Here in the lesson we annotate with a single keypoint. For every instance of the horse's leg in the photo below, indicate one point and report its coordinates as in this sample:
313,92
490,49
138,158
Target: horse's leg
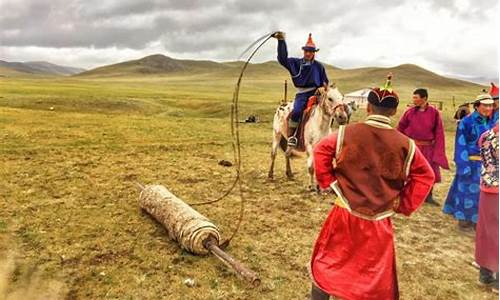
310,168
289,173
274,151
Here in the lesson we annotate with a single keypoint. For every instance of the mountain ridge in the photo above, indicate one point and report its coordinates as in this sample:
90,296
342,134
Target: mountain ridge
159,64
39,68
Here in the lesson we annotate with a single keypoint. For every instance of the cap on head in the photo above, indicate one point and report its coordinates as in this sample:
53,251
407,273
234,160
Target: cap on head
310,46
384,96
483,99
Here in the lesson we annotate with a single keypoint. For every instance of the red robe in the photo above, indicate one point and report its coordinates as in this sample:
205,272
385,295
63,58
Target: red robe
354,258
426,128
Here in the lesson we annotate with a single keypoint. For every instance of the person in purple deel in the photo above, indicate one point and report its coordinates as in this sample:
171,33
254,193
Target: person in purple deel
307,73
423,123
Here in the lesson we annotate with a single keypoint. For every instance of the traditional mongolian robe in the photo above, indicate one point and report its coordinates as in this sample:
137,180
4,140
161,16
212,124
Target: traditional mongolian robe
354,256
426,129
463,196
307,76
487,226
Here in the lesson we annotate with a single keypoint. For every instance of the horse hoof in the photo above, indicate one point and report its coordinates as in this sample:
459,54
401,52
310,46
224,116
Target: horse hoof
270,177
289,175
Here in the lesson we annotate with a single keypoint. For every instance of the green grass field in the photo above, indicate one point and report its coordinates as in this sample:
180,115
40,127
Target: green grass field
69,214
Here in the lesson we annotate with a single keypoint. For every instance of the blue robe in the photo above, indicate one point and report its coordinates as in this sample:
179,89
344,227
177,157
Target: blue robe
463,196
305,74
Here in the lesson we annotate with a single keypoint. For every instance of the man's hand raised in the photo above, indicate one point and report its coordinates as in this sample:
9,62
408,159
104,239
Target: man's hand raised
279,35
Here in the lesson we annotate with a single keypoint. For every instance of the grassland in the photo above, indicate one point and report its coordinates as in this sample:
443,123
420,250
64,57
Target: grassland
69,208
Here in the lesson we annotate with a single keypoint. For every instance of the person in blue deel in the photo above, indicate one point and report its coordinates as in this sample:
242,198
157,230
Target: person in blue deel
463,196
307,73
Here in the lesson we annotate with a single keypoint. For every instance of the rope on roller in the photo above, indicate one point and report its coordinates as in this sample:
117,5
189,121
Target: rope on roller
190,229
235,139
184,224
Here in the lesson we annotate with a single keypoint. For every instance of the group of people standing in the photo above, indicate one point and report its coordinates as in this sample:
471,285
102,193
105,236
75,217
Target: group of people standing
473,196
376,171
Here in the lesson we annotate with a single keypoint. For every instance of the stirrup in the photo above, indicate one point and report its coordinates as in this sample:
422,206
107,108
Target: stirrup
292,141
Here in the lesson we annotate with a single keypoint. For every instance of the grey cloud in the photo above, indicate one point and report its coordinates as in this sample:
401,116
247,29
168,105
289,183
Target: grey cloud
219,29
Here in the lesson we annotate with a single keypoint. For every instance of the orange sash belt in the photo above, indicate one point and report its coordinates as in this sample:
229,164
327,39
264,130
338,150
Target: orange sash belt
424,143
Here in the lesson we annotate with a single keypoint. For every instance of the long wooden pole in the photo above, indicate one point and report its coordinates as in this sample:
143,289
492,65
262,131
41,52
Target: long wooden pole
250,276
193,231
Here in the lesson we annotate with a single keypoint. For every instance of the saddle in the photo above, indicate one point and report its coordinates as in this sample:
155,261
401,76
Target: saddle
299,132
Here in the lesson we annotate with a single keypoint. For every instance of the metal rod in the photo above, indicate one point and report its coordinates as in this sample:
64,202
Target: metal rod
242,271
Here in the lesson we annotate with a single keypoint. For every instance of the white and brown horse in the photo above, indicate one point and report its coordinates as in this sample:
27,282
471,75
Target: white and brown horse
330,108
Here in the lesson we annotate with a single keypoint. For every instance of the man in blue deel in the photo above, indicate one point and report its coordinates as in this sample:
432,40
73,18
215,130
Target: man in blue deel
307,74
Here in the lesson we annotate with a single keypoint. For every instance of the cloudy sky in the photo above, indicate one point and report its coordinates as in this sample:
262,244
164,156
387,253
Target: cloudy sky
454,37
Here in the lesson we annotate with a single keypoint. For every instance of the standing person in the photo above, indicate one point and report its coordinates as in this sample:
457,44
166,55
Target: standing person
487,225
463,196
307,73
354,256
494,95
423,124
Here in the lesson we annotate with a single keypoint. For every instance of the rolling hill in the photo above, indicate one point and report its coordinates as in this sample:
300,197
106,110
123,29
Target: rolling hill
153,64
158,64
36,67
161,64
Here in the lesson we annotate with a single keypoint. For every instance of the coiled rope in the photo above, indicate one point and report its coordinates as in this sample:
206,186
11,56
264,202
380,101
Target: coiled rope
235,139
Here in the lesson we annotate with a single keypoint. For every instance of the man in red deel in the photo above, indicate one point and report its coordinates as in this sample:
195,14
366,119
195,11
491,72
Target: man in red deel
375,172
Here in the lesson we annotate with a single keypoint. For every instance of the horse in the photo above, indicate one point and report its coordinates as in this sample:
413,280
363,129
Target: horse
329,108
351,107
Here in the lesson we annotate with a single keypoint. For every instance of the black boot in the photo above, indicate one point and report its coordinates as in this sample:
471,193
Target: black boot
465,226
486,276
318,294
430,200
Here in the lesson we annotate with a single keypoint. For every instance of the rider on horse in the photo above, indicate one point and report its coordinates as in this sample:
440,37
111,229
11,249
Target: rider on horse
307,74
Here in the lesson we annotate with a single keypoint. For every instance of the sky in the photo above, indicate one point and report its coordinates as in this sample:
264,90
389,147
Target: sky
450,37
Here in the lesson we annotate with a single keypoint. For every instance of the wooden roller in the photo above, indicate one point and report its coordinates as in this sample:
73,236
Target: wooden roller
193,231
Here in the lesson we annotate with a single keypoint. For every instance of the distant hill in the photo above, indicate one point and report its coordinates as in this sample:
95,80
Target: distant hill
154,64
36,67
158,64
161,64
409,74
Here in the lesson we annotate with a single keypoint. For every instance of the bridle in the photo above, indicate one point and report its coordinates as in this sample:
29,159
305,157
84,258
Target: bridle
331,112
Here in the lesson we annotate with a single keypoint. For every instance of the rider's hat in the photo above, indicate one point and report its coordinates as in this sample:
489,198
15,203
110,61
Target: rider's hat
310,45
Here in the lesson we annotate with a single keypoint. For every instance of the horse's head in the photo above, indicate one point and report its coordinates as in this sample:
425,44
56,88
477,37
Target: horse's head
333,105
